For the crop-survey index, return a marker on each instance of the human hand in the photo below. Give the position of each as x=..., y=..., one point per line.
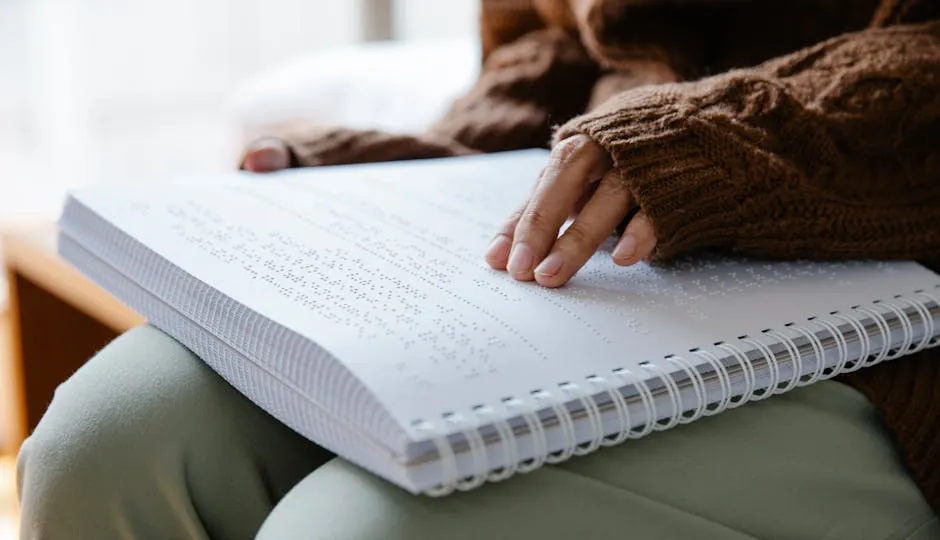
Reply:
x=578, y=181
x=302, y=144
x=266, y=155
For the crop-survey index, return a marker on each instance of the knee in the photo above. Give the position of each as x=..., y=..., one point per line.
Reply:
x=108, y=429
x=124, y=399
x=340, y=501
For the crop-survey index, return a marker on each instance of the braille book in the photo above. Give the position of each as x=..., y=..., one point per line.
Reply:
x=353, y=304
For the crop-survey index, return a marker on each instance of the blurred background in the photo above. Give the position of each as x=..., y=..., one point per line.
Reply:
x=99, y=90
x=114, y=91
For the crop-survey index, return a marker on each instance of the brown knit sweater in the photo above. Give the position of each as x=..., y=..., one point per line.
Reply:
x=776, y=128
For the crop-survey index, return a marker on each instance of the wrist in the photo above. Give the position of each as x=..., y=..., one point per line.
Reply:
x=685, y=193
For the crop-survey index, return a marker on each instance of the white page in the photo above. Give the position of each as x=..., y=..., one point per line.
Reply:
x=382, y=266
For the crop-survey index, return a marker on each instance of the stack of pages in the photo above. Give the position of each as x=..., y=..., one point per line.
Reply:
x=353, y=304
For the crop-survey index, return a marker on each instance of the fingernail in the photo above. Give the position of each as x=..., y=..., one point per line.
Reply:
x=520, y=259
x=267, y=155
x=498, y=249
x=625, y=249
x=551, y=265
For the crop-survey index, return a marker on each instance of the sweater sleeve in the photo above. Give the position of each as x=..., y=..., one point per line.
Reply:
x=313, y=145
x=504, y=21
x=524, y=87
x=830, y=152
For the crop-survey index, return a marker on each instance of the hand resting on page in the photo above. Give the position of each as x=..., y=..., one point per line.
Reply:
x=578, y=182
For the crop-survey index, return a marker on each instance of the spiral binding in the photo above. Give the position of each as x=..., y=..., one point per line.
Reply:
x=751, y=366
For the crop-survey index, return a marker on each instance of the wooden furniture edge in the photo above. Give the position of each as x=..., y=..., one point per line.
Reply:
x=61, y=279
x=17, y=418
x=29, y=256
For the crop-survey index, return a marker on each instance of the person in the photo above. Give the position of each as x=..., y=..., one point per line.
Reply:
x=781, y=129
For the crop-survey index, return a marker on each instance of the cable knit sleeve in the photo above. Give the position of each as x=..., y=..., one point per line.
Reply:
x=830, y=152
x=542, y=78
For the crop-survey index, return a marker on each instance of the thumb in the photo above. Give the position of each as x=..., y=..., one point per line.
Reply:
x=266, y=155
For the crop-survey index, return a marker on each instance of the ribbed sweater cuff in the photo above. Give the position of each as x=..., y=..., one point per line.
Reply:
x=685, y=193
x=312, y=146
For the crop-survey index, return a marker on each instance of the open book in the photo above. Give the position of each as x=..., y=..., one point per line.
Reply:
x=353, y=304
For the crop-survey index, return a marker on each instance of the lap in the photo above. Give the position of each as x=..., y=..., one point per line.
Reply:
x=145, y=441
x=152, y=432
x=811, y=464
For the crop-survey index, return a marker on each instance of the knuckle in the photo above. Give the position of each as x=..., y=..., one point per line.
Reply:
x=535, y=218
x=570, y=149
x=580, y=238
x=581, y=152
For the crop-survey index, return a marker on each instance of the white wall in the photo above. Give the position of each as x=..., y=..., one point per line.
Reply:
x=435, y=19
x=96, y=91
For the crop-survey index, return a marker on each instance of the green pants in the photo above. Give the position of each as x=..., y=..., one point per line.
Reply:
x=146, y=442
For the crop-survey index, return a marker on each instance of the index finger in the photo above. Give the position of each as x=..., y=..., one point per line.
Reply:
x=574, y=163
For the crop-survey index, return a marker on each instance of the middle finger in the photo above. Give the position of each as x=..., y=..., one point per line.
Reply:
x=574, y=163
x=594, y=224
